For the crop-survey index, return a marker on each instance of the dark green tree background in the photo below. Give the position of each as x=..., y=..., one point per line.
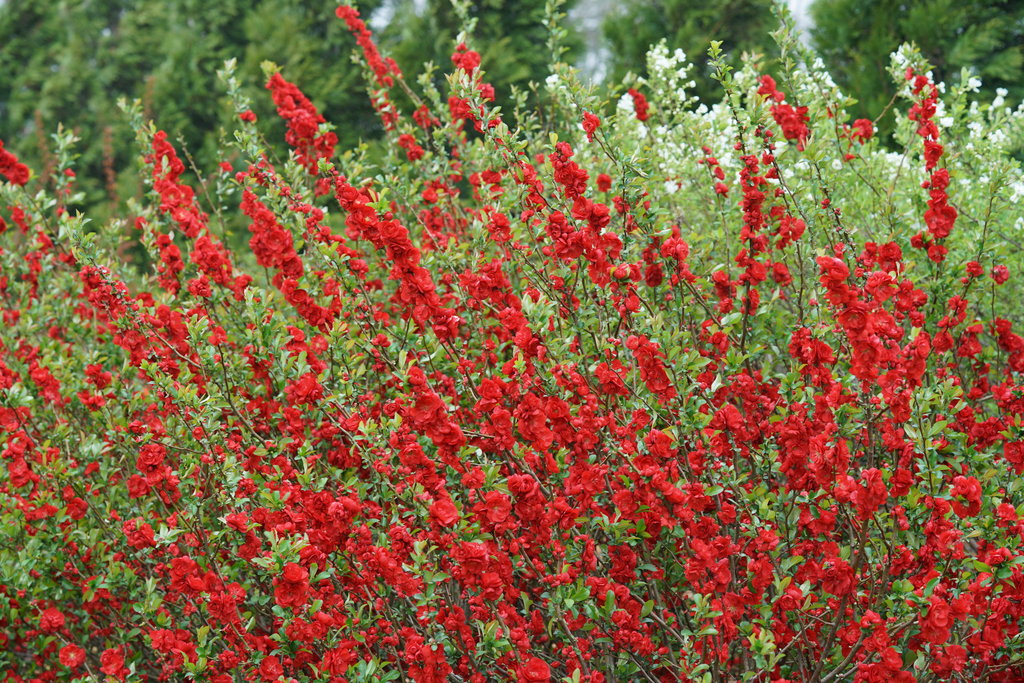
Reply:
x=855, y=38
x=742, y=26
x=69, y=62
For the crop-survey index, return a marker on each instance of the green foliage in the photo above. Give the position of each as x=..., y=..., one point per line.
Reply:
x=690, y=25
x=855, y=37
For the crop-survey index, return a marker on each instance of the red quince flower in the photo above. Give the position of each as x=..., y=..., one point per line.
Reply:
x=51, y=620
x=535, y=670
x=291, y=588
x=72, y=656
x=305, y=390
x=443, y=512
x=590, y=124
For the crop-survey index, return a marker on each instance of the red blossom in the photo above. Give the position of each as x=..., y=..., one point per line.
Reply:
x=13, y=170
x=640, y=105
x=443, y=512
x=535, y=670
x=112, y=663
x=304, y=390
x=72, y=656
x=304, y=122
x=292, y=587
x=590, y=124
x=51, y=620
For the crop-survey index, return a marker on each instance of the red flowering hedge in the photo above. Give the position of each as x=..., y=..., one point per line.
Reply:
x=655, y=392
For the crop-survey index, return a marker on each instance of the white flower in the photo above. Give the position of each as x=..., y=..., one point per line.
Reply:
x=1018, y=191
x=973, y=84
x=658, y=59
x=822, y=75
x=899, y=58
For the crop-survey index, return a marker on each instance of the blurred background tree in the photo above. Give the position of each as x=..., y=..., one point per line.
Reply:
x=69, y=62
x=742, y=26
x=855, y=38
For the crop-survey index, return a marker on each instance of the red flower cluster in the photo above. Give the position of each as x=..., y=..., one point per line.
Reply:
x=384, y=70
x=940, y=216
x=291, y=587
x=640, y=104
x=303, y=124
x=13, y=170
x=792, y=120
x=590, y=124
x=177, y=200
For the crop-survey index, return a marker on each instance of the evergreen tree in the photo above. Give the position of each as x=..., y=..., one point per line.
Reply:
x=690, y=25
x=855, y=38
x=69, y=63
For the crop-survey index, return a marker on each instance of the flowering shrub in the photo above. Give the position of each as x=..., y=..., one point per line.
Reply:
x=660, y=392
